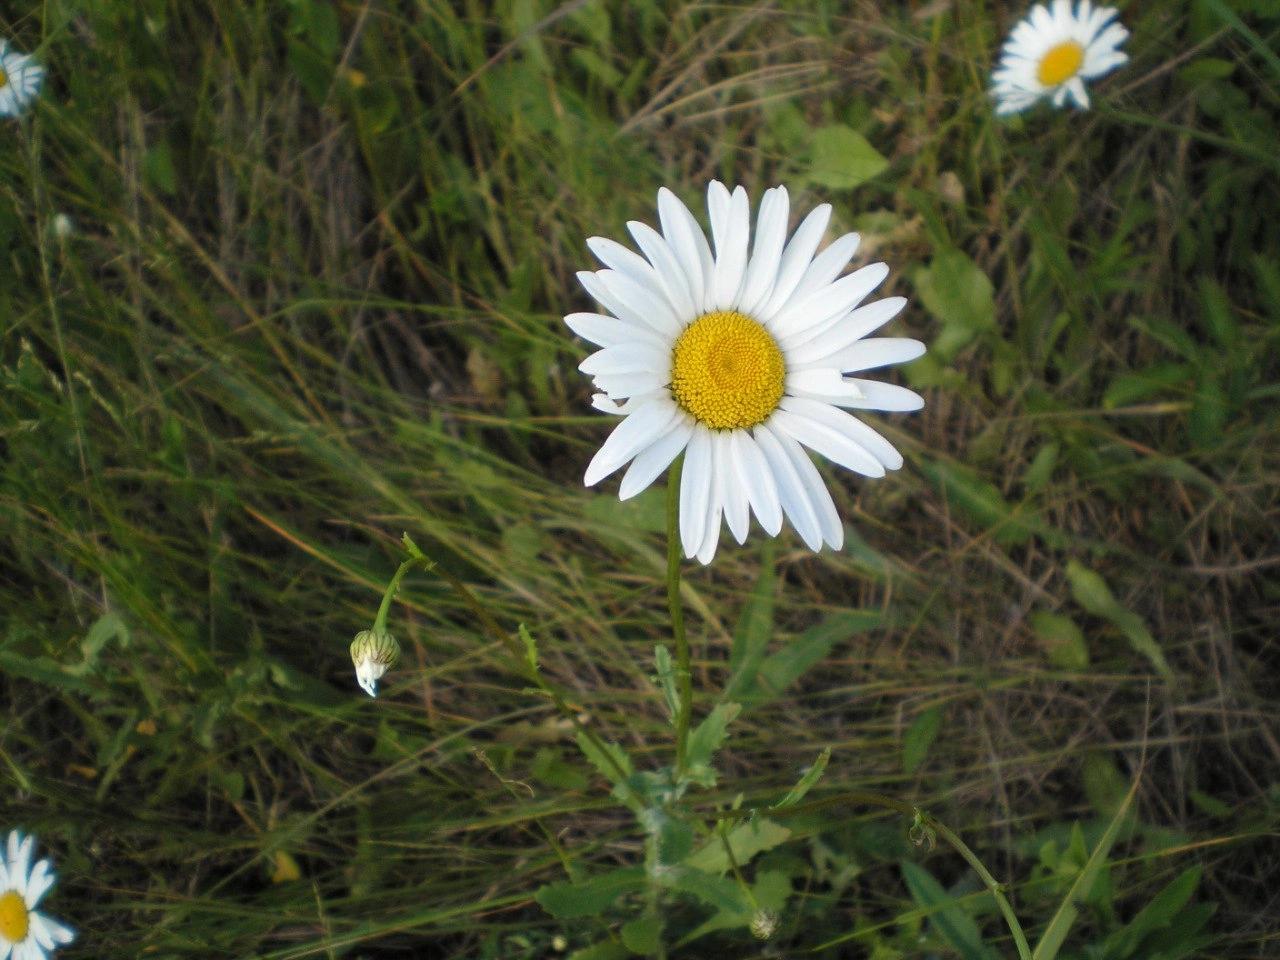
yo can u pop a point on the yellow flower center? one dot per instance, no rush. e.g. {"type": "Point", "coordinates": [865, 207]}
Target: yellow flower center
{"type": "Point", "coordinates": [1060, 63]}
{"type": "Point", "coordinates": [13, 917]}
{"type": "Point", "coordinates": [4, 79]}
{"type": "Point", "coordinates": [727, 371]}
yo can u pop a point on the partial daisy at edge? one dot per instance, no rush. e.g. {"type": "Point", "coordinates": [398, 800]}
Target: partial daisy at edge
{"type": "Point", "coordinates": [20, 78]}
{"type": "Point", "coordinates": [25, 932]}
{"type": "Point", "coordinates": [737, 353]}
{"type": "Point", "coordinates": [1053, 51]}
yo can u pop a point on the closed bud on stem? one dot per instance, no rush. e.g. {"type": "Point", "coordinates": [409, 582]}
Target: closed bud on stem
{"type": "Point", "coordinates": [373, 652]}
{"type": "Point", "coordinates": [764, 924]}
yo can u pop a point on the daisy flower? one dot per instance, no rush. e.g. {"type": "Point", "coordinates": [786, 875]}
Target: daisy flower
{"type": "Point", "coordinates": [25, 933]}
{"type": "Point", "coordinates": [737, 358]}
{"type": "Point", "coordinates": [20, 79]}
{"type": "Point", "coordinates": [1053, 51]}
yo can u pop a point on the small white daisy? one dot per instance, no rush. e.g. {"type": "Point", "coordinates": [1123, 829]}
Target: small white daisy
{"type": "Point", "coordinates": [1053, 51]}
{"type": "Point", "coordinates": [738, 359]}
{"type": "Point", "coordinates": [25, 933]}
{"type": "Point", "coordinates": [20, 79]}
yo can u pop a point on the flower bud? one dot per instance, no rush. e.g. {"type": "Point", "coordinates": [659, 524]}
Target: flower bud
{"type": "Point", "coordinates": [764, 924]}
{"type": "Point", "coordinates": [373, 653]}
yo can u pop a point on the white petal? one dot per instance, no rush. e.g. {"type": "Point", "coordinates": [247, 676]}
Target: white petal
{"type": "Point", "coordinates": [37, 931]}
{"type": "Point", "coordinates": [733, 493]}
{"type": "Point", "coordinates": [1075, 86]}
{"type": "Point", "coordinates": [711, 522]}
{"type": "Point", "coordinates": [803, 317]}
{"type": "Point", "coordinates": [667, 267]}
{"type": "Point", "coordinates": [821, 383]}
{"type": "Point", "coordinates": [849, 426]}
{"type": "Point", "coordinates": [594, 284]}
{"type": "Point", "coordinates": [38, 883]}
{"type": "Point", "coordinates": [618, 385]}
{"type": "Point", "coordinates": [824, 507]}
{"type": "Point", "coordinates": [731, 250]}
{"type": "Point", "coordinates": [646, 302]}
{"type": "Point", "coordinates": [884, 396]}
{"type": "Point", "coordinates": [1112, 37]}
{"type": "Point", "coordinates": [60, 933]}
{"type": "Point", "coordinates": [825, 267]}
{"type": "Point", "coordinates": [608, 331]}
{"type": "Point", "coordinates": [758, 481]}
{"type": "Point", "coordinates": [20, 860]}
{"type": "Point", "coordinates": [1096, 66]}
{"type": "Point", "coordinates": [634, 357]}
{"type": "Point", "coordinates": [629, 437]}
{"type": "Point", "coordinates": [874, 353]}
{"type": "Point", "coordinates": [826, 440]}
{"type": "Point", "coordinates": [687, 241]}
{"type": "Point", "coordinates": [795, 261]}
{"type": "Point", "coordinates": [791, 489]}
{"type": "Point", "coordinates": [617, 257]}
{"type": "Point", "coordinates": [655, 458]}
{"type": "Point", "coordinates": [5, 946]}
{"type": "Point", "coordinates": [695, 490]}
{"type": "Point", "coordinates": [847, 330]}
{"type": "Point", "coordinates": [605, 404]}
{"type": "Point", "coordinates": [766, 250]}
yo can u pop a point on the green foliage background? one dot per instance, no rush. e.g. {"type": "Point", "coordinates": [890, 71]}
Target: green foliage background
{"type": "Point", "coordinates": [311, 297]}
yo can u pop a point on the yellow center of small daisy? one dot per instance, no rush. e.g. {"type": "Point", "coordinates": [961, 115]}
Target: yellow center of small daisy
{"type": "Point", "coordinates": [4, 79]}
{"type": "Point", "coordinates": [1060, 64]}
{"type": "Point", "coordinates": [727, 371]}
{"type": "Point", "coordinates": [14, 922]}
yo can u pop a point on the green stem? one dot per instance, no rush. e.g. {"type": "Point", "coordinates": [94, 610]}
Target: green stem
{"type": "Point", "coordinates": [1019, 938]}
{"type": "Point", "coordinates": [684, 673]}
{"type": "Point", "coordinates": [384, 609]}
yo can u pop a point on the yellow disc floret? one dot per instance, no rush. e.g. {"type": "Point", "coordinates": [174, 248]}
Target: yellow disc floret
{"type": "Point", "coordinates": [14, 921]}
{"type": "Point", "coordinates": [727, 371]}
{"type": "Point", "coordinates": [1060, 64]}
{"type": "Point", "coordinates": [4, 79]}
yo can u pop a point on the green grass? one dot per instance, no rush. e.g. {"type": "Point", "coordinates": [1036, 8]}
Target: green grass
{"type": "Point", "coordinates": [312, 299]}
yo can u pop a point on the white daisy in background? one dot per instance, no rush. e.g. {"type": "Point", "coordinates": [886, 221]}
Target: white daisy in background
{"type": "Point", "coordinates": [738, 359]}
{"type": "Point", "coordinates": [25, 933]}
{"type": "Point", "coordinates": [20, 79]}
{"type": "Point", "coordinates": [1054, 51]}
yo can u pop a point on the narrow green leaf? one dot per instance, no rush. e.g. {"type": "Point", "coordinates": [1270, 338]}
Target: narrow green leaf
{"type": "Point", "coordinates": [530, 647]}
{"type": "Point", "coordinates": [1156, 380]}
{"type": "Point", "coordinates": [945, 915]}
{"type": "Point", "coordinates": [708, 736]}
{"type": "Point", "coordinates": [1063, 642]}
{"type": "Point", "coordinates": [1163, 909]}
{"type": "Point", "coordinates": [665, 678]}
{"type": "Point", "coordinates": [789, 662]}
{"type": "Point", "coordinates": [919, 737]}
{"type": "Point", "coordinates": [600, 760]}
{"type": "Point", "coordinates": [980, 502]}
{"type": "Point", "coordinates": [1056, 933]}
{"type": "Point", "coordinates": [1092, 593]}
{"type": "Point", "coordinates": [755, 627]}
{"type": "Point", "coordinates": [806, 781]}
